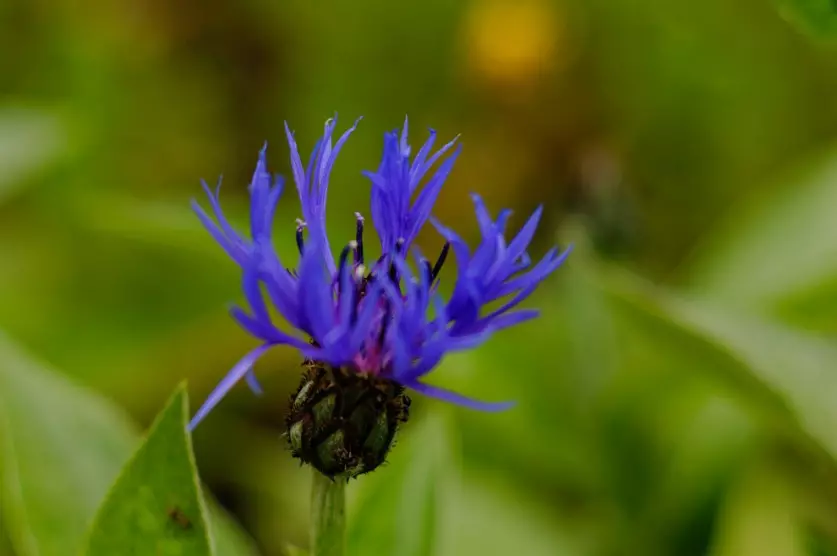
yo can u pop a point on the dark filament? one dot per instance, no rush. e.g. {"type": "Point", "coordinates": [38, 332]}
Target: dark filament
{"type": "Point", "coordinates": [428, 269]}
{"type": "Point", "coordinates": [440, 262]}
{"type": "Point", "coordinates": [359, 239]}
{"type": "Point", "coordinates": [360, 283]}
{"type": "Point", "coordinates": [356, 305]}
{"type": "Point", "coordinates": [300, 242]}
{"type": "Point", "coordinates": [384, 324]}
{"type": "Point", "coordinates": [393, 272]}
{"type": "Point", "coordinates": [344, 257]}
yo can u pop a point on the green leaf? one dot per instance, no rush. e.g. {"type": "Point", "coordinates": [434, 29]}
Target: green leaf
{"type": "Point", "coordinates": [816, 17]}
{"type": "Point", "coordinates": [786, 371]}
{"type": "Point", "coordinates": [61, 448]}
{"type": "Point", "coordinates": [156, 506]}
{"type": "Point", "coordinates": [796, 366]}
{"type": "Point", "coordinates": [782, 248]}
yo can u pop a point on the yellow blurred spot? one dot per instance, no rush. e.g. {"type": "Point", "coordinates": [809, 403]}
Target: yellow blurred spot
{"type": "Point", "coordinates": [499, 161]}
{"type": "Point", "coordinates": [513, 43]}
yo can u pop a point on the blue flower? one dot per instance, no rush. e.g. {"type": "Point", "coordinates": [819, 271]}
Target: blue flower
{"type": "Point", "coordinates": [381, 318]}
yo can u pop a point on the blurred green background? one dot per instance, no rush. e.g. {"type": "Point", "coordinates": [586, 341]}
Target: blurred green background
{"type": "Point", "coordinates": [679, 394]}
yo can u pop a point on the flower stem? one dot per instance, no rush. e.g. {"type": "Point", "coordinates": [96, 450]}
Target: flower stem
{"type": "Point", "coordinates": [328, 516]}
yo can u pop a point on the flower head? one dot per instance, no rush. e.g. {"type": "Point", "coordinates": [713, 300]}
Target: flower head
{"type": "Point", "coordinates": [381, 320]}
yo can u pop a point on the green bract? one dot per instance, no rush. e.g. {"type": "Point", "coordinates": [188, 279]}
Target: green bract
{"type": "Point", "coordinates": [344, 423]}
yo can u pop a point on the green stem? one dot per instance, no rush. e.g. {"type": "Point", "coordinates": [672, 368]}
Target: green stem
{"type": "Point", "coordinates": [328, 516]}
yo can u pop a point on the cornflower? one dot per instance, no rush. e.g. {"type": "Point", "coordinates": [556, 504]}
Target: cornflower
{"type": "Point", "coordinates": [368, 330]}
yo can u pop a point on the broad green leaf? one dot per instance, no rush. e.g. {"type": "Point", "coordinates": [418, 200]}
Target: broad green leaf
{"type": "Point", "coordinates": [28, 141]}
{"type": "Point", "coordinates": [61, 448]}
{"type": "Point", "coordinates": [397, 510]}
{"type": "Point", "coordinates": [291, 550]}
{"type": "Point", "coordinates": [816, 17]}
{"type": "Point", "coordinates": [788, 371]}
{"type": "Point", "coordinates": [156, 506]}
{"type": "Point", "coordinates": [797, 367]}
{"type": "Point", "coordinates": [783, 247]}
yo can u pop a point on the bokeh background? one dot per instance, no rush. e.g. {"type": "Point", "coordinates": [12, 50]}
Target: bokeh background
{"type": "Point", "coordinates": [679, 394]}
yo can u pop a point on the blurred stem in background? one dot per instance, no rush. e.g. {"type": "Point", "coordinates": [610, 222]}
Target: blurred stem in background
{"type": "Point", "coordinates": [328, 516]}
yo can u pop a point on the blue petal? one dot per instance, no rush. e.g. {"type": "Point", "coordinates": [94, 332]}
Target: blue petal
{"type": "Point", "coordinates": [400, 353]}
{"type": "Point", "coordinates": [252, 286]}
{"type": "Point", "coordinates": [214, 200]}
{"type": "Point", "coordinates": [366, 314]}
{"type": "Point", "coordinates": [394, 183]}
{"type": "Point", "coordinates": [259, 193]}
{"type": "Point", "coordinates": [235, 251]}
{"type": "Point", "coordinates": [418, 162]}
{"type": "Point", "coordinates": [297, 169]}
{"type": "Point", "coordinates": [253, 383]}
{"type": "Point", "coordinates": [405, 147]}
{"type": "Point", "coordinates": [427, 198]}
{"type": "Point", "coordinates": [511, 319]}
{"type": "Point", "coordinates": [237, 373]}
{"type": "Point", "coordinates": [524, 237]}
{"type": "Point", "coordinates": [484, 220]}
{"type": "Point", "coordinates": [263, 330]}
{"type": "Point", "coordinates": [415, 176]}
{"type": "Point", "coordinates": [270, 210]}
{"type": "Point", "coordinates": [458, 399]}
{"type": "Point", "coordinates": [546, 266]}
{"type": "Point", "coordinates": [315, 293]}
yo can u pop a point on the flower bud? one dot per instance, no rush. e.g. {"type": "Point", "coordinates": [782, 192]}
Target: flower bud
{"type": "Point", "coordinates": [343, 422]}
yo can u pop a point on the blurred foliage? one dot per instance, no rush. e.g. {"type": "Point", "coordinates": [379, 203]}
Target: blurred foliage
{"type": "Point", "coordinates": [817, 17]}
{"type": "Point", "coordinates": [676, 397]}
